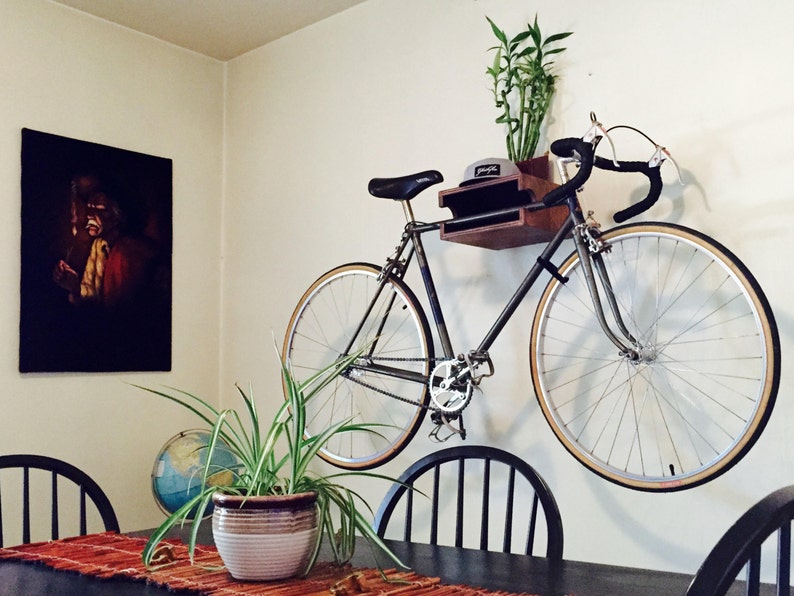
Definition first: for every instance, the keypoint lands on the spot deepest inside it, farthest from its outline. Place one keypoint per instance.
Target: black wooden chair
(741, 547)
(62, 477)
(511, 489)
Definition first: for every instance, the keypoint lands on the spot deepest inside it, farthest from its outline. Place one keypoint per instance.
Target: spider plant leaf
(180, 515)
(253, 418)
(322, 512)
(184, 403)
(213, 443)
(316, 443)
(206, 497)
(371, 536)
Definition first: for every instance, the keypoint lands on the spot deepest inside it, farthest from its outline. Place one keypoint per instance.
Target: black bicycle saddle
(403, 188)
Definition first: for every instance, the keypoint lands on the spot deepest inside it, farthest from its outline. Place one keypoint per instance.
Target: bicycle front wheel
(702, 382)
(343, 311)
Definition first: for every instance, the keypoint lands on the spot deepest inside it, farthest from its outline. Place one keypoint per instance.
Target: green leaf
(554, 51)
(180, 515)
(534, 31)
(500, 35)
(265, 469)
(497, 61)
(556, 37)
(518, 40)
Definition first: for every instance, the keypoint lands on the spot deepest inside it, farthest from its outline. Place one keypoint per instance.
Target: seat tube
(432, 294)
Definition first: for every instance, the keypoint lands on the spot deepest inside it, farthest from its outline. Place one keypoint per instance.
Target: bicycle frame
(411, 245)
(683, 397)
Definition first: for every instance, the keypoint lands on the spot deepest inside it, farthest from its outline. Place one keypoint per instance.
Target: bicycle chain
(406, 400)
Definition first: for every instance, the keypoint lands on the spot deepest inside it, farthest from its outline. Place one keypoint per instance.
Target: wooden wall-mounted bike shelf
(500, 213)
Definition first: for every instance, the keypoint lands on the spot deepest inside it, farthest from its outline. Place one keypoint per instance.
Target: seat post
(408, 211)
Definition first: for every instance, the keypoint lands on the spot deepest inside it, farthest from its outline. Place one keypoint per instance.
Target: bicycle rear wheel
(705, 382)
(387, 386)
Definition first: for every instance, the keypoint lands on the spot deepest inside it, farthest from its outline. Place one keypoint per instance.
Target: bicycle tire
(703, 390)
(320, 329)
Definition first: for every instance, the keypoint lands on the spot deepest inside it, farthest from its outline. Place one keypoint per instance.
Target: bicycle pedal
(443, 423)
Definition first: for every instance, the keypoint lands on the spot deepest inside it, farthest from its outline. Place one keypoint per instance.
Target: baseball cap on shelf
(488, 169)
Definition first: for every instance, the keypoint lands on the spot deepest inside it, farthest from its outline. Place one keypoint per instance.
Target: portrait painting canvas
(95, 291)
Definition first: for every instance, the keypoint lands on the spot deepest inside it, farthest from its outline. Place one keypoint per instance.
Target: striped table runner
(110, 555)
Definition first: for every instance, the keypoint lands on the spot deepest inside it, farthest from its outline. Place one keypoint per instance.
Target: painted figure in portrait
(96, 257)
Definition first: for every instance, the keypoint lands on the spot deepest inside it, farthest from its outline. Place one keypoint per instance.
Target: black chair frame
(89, 489)
(543, 498)
(740, 546)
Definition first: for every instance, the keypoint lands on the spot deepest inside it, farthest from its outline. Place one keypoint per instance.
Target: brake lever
(660, 155)
(596, 132)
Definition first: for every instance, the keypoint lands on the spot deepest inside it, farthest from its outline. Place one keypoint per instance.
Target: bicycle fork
(590, 248)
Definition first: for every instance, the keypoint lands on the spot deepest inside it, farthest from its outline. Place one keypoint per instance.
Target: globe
(178, 468)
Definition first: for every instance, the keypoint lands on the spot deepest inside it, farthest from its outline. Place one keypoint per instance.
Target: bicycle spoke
(696, 389)
(346, 310)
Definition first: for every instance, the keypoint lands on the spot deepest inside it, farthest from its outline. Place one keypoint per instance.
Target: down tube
(528, 282)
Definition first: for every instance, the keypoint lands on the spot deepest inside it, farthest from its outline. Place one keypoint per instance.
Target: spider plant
(274, 460)
(523, 85)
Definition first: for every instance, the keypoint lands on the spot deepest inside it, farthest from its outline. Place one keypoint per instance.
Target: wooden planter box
(499, 213)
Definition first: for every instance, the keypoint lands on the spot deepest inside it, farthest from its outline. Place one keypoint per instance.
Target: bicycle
(654, 353)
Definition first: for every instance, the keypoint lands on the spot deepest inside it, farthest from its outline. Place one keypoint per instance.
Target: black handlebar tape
(654, 177)
(567, 148)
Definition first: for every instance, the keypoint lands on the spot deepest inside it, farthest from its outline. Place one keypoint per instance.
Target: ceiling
(221, 29)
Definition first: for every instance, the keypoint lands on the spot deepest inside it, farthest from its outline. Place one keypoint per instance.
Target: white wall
(388, 88)
(65, 73)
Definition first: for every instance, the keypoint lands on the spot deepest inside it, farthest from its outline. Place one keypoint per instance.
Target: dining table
(55, 567)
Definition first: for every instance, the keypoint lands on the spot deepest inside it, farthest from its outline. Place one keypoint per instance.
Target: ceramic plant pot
(265, 538)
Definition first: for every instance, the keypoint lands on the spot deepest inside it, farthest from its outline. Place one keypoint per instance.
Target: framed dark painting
(96, 244)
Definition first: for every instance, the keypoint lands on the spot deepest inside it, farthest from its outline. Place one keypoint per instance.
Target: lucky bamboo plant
(523, 85)
(274, 460)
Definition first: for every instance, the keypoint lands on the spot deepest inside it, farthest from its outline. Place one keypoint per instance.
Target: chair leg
(25, 505)
(460, 514)
(486, 504)
(754, 573)
(55, 523)
(784, 560)
(83, 513)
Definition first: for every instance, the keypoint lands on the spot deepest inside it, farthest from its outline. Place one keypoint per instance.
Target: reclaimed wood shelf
(501, 213)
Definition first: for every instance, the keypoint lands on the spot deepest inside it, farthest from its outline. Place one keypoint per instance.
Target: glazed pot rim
(222, 499)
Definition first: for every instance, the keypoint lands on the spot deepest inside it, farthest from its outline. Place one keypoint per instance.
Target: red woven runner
(111, 555)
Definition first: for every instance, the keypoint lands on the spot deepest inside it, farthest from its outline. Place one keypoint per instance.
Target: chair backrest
(30, 493)
(740, 547)
(511, 489)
